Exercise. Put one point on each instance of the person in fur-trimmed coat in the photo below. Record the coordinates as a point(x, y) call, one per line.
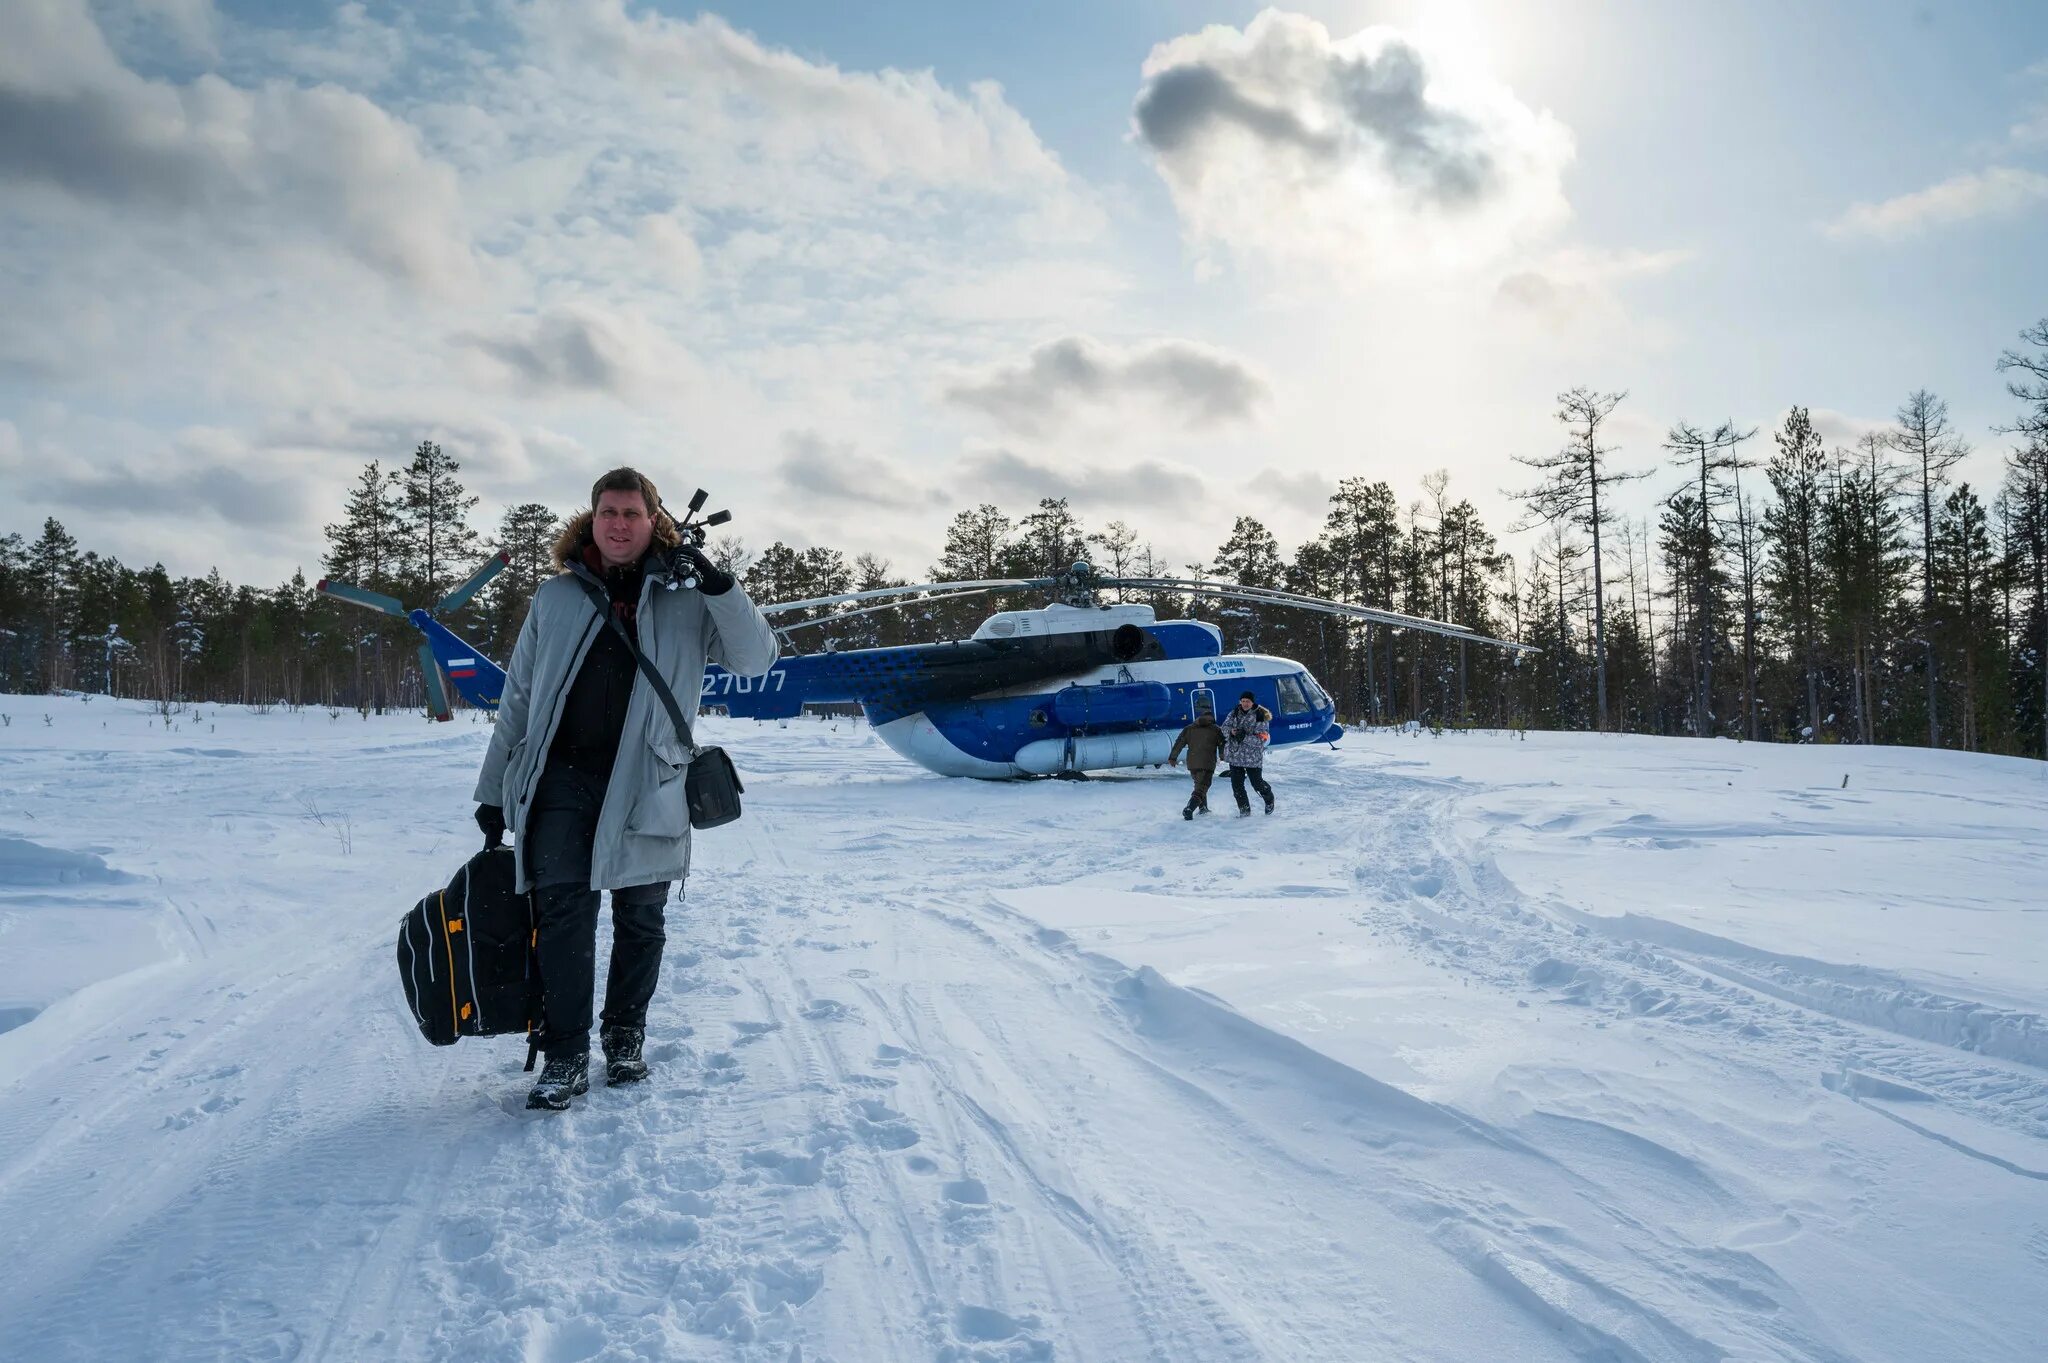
point(1246, 731)
point(585, 767)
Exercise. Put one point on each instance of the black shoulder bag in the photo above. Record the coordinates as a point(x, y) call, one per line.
point(711, 784)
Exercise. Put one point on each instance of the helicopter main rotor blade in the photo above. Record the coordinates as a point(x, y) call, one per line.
point(1273, 596)
point(493, 565)
point(986, 584)
point(896, 605)
point(359, 596)
point(1281, 596)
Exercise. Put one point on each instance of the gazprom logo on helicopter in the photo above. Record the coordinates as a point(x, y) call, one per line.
point(1222, 667)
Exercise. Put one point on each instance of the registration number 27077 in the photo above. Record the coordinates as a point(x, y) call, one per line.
point(725, 683)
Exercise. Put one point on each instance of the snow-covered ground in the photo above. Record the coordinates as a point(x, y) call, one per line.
point(1570, 1047)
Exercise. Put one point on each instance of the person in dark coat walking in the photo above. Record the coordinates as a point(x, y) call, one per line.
point(586, 768)
point(1201, 741)
point(1245, 733)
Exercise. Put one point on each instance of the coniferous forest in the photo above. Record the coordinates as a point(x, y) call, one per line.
point(1782, 591)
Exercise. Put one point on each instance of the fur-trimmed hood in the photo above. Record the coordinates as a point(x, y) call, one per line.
point(576, 537)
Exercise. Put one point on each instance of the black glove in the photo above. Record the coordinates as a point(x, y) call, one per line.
point(491, 819)
point(712, 580)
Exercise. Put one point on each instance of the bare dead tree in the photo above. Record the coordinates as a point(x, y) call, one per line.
point(2030, 384)
point(1925, 437)
point(1573, 481)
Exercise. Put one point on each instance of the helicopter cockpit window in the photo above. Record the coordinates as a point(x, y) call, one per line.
point(1317, 697)
point(1292, 701)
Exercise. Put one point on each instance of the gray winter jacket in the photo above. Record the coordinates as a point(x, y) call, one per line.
point(643, 831)
point(1245, 734)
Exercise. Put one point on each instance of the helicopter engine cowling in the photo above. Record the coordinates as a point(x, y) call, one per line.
point(1099, 707)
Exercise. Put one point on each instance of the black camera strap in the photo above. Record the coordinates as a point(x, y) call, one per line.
point(601, 599)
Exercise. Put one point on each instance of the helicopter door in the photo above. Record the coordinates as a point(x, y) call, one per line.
point(1205, 703)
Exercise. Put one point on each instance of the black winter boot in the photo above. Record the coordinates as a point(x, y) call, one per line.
point(1188, 813)
point(562, 1078)
point(623, 1063)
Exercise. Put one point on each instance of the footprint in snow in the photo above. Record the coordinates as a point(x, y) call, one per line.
point(783, 1167)
point(212, 1107)
point(892, 1056)
point(827, 1010)
point(883, 1126)
point(966, 1212)
point(977, 1327)
point(464, 1239)
point(750, 1032)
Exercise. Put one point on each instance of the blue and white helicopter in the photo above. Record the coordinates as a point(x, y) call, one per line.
point(1079, 685)
point(1076, 686)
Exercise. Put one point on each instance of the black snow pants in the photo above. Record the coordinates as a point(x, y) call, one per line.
point(1239, 775)
point(560, 829)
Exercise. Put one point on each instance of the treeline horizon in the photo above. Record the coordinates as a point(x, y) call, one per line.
point(1784, 591)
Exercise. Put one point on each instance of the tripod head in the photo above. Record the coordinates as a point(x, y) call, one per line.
point(693, 532)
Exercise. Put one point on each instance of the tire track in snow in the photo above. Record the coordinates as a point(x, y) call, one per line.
point(1448, 898)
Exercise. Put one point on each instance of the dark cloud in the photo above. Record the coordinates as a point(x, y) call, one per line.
point(1181, 103)
point(557, 352)
point(1373, 104)
point(1148, 484)
point(577, 348)
point(1191, 386)
point(220, 492)
point(823, 472)
point(1297, 491)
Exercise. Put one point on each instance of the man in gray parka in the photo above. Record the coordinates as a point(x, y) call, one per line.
point(586, 770)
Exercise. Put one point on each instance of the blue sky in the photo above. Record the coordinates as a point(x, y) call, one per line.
point(856, 266)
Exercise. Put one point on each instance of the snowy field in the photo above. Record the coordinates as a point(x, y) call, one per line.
point(1480, 1049)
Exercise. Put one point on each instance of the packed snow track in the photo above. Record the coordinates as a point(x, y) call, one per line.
point(1482, 1048)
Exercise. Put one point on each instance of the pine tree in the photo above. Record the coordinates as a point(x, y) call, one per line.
point(52, 570)
point(978, 547)
point(2026, 493)
point(1250, 558)
point(1864, 568)
point(1968, 572)
point(17, 658)
point(433, 510)
point(365, 548)
point(1049, 540)
point(1363, 532)
point(1119, 544)
point(526, 533)
point(1791, 532)
point(1709, 459)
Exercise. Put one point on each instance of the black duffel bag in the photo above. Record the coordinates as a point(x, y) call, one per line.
point(466, 954)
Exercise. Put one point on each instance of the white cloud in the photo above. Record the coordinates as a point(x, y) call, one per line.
point(245, 165)
point(886, 125)
point(1575, 281)
point(1838, 430)
point(1996, 192)
point(1180, 383)
point(1373, 155)
point(672, 249)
